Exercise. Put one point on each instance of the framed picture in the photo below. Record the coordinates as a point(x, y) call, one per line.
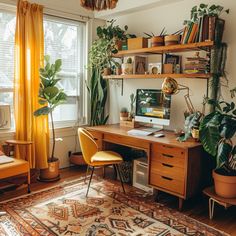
point(155, 68)
point(5, 116)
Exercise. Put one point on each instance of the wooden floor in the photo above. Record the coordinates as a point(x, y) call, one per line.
point(196, 208)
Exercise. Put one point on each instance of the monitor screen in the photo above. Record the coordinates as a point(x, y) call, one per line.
point(153, 105)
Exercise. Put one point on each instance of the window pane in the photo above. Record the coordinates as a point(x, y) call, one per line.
point(64, 39)
point(7, 32)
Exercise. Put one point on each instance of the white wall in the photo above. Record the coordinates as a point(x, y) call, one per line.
point(171, 17)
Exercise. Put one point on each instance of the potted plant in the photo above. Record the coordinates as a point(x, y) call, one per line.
point(216, 132)
point(127, 68)
point(191, 126)
point(124, 114)
point(157, 40)
point(173, 39)
point(50, 96)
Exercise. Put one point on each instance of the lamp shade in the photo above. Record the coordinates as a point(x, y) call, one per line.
point(170, 86)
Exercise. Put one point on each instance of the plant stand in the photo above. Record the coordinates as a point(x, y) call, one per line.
point(214, 198)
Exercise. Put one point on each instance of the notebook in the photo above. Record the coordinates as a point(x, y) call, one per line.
point(5, 159)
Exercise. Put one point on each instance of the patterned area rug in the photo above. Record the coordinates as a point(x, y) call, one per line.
point(64, 210)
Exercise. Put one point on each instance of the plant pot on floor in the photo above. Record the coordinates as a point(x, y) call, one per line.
point(225, 186)
point(51, 173)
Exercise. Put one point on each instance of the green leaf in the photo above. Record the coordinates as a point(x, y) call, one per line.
point(42, 111)
point(51, 92)
point(209, 132)
point(42, 102)
point(58, 64)
point(223, 154)
point(47, 58)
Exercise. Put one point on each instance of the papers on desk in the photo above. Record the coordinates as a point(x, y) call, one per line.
point(5, 159)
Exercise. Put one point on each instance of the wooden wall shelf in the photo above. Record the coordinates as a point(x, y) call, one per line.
point(166, 49)
point(158, 76)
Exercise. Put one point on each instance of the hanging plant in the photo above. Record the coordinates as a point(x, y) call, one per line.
point(98, 5)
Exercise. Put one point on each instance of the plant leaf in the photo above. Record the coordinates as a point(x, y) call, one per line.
point(42, 111)
point(223, 154)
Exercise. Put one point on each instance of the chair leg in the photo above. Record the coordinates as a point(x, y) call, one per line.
point(104, 172)
point(91, 176)
point(121, 181)
point(85, 178)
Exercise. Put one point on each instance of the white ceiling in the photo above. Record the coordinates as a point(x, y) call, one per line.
point(129, 6)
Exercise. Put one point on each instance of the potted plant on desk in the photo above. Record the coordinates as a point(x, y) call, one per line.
point(216, 132)
point(50, 96)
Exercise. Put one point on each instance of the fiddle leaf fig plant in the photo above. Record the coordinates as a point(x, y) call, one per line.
point(50, 95)
point(216, 132)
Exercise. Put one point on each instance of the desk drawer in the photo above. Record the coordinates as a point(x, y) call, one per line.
point(128, 141)
point(169, 155)
point(168, 170)
point(167, 183)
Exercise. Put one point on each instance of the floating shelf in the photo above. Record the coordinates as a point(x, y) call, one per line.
point(165, 49)
point(158, 76)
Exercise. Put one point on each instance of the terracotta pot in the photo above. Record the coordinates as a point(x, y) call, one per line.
point(106, 71)
point(118, 71)
point(157, 41)
point(124, 116)
point(225, 186)
point(76, 158)
point(127, 68)
point(51, 173)
point(172, 39)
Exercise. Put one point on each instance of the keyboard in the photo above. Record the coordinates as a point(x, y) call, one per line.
point(139, 132)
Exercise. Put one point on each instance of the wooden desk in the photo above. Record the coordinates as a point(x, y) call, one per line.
point(174, 167)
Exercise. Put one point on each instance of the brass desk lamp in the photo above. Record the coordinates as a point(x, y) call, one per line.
point(171, 87)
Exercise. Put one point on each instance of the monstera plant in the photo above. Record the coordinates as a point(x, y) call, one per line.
point(50, 96)
point(217, 131)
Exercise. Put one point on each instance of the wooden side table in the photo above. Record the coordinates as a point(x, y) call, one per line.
point(18, 166)
point(214, 198)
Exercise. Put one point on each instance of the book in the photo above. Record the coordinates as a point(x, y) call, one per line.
point(5, 159)
point(212, 25)
point(193, 33)
point(184, 34)
point(205, 28)
point(188, 33)
point(200, 30)
point(219, 29)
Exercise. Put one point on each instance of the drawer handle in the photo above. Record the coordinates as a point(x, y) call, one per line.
point(96, 139)
point(167, 165)
point(167, 155)
point(167, 178)
point(166, 146)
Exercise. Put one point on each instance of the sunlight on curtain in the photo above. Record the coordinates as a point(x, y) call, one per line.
point(29, 53)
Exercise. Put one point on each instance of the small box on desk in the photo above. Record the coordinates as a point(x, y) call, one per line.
point(137, 43)
point(129, 123)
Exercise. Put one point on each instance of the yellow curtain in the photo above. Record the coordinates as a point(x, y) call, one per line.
point(29, 57)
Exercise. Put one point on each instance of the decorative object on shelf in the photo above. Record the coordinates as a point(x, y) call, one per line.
point(118, 69)
point(98, 5)
point(168, 68)
point(155, 68)
point(106, 71)
point(216, 134)
point(157, 40)
point(175, 60)
point(172, 39)
point(127, 67)
point(197, 65)
point(171, 87)
point(137, 43)
point(50, 96)
point(5, 116)
point(124, 114)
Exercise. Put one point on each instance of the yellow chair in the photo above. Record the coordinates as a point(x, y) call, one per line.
point(95, 158)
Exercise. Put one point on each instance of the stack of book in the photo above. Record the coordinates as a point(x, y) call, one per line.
point(207, 28)
point(196, 65)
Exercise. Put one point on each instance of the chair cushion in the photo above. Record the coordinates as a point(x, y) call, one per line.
point(106, 156)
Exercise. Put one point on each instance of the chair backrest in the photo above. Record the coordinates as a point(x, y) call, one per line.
point(87, 144)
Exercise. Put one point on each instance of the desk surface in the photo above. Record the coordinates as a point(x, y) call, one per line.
point(170, 137)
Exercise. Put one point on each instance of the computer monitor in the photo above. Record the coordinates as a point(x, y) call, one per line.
point(153, 107)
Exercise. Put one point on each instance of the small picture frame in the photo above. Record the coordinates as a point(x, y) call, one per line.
point(155, 68)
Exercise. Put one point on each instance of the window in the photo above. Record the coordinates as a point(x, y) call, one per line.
point(65, 39)
point(7, 32)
